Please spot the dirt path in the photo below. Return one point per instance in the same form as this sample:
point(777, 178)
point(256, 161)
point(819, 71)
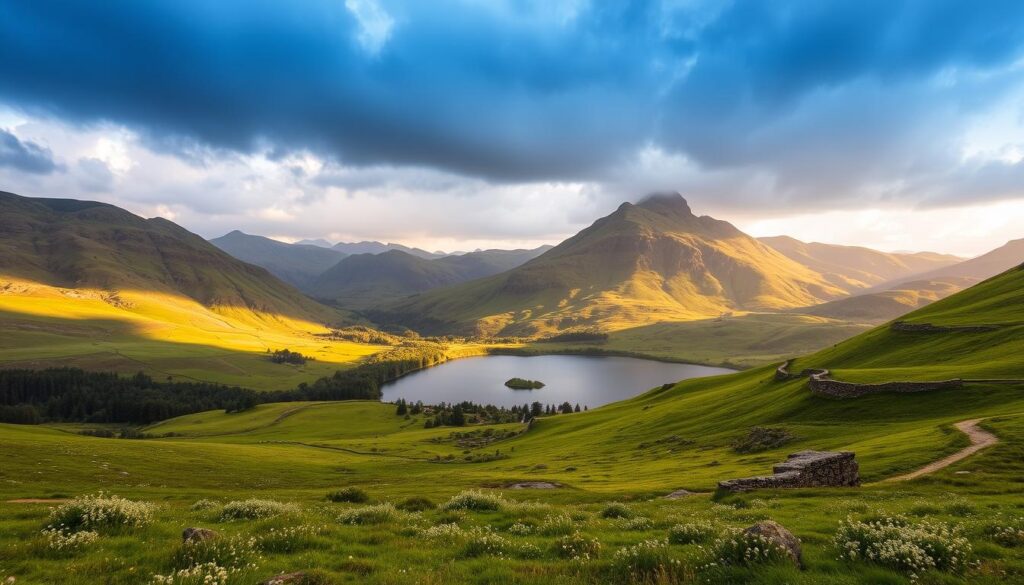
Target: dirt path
point(37, 501)
point(980, 438)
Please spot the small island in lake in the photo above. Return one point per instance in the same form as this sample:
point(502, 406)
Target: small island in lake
point(521, 384)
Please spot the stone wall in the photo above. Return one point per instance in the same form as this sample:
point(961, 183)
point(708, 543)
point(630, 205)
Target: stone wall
point(804, 469)
point(821, 384)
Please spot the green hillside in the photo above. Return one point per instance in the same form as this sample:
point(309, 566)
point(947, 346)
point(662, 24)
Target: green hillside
point(296, 264)
point(644, 263)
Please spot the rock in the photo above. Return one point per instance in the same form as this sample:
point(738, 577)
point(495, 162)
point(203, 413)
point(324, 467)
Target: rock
point(286, 579)
point(804, 469)
point(533, 485)
point(679, 494)
point(193, 534)
point(778, 535)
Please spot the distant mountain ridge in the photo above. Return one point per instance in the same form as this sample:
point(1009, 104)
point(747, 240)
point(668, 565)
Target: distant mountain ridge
point(364, 280)
point(296, 264)
point(854, 268)
point(646, 262)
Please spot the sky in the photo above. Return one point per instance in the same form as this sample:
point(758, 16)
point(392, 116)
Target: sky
point(462, 124)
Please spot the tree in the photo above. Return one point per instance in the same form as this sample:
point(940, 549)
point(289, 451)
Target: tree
point(402, 409)
point(536, 410)
point(458, 419)
point(577, 409)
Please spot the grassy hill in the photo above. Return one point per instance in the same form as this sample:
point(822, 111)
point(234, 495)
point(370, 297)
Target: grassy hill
point(632, 451)
point(91, 285)
point(365, 280)
point(296, 264)
point(855, 268)
point(644, 263)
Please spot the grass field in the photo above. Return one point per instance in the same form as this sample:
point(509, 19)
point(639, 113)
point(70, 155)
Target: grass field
point(633, 452)
point(164, 335)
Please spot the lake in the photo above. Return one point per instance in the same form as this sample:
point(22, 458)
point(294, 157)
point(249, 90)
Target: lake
point(584, 380)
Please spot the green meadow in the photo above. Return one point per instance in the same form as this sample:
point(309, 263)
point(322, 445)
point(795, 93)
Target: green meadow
point(429, 509)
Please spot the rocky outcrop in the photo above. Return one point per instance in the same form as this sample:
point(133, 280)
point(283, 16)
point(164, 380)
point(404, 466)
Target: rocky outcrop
point(804, 469)
point(822, 384)
point(193, 534)
point(905, 327)
point(779, 536)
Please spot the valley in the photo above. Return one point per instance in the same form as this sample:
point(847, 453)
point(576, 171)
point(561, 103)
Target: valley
point(587, 458)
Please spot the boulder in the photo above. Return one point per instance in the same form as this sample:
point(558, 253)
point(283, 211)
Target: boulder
point(193, 534)
point(679, 494)
point(295, 578)
point(778, 535)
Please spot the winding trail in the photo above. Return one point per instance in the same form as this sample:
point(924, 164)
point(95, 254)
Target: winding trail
point(980, 438)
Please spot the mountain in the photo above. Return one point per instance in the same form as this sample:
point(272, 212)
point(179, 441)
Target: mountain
point(320, 242)
point(369, 247)
point(296, 264)
point(646, 262)
point(75, 244)
point(363, 280)
point(985, 266)
point(855, 268)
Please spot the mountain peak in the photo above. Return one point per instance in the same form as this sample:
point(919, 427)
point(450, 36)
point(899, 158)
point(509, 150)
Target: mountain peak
point(669, 202)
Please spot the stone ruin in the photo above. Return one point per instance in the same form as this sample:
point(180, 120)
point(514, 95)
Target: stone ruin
point(802, 470)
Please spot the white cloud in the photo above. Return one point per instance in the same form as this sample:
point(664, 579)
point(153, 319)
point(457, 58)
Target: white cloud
point(375, 24)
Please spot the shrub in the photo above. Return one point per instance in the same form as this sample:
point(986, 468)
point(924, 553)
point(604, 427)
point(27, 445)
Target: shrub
point(204, 574)
point(475, 500)
point(1009, 533)
point(690, 533)
point(616, 510)
point(520, 529)
point(100, 511)
point(483, 541)
point(556, 525)
point(255, 509)
point(289, 539)
point(443, 532)
point(376, 514)
point(638, 523)
point(576, 546)
point(736, 547)
point(62, 540)
point(908, 548)
point(645, 562)
point(416, 504)
point(204, 504)
point(229, 553)
point(352, 495)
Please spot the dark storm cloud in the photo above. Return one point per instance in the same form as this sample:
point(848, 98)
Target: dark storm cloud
point(815, 92)
point(25, 156)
